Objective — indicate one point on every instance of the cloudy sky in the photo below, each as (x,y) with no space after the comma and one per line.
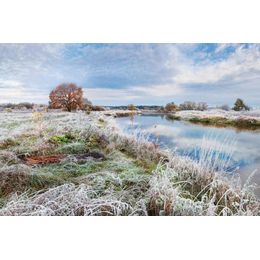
(119,74)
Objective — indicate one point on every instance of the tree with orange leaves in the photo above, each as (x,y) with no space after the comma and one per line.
(66,96)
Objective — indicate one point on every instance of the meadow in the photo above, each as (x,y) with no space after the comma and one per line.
(61,163)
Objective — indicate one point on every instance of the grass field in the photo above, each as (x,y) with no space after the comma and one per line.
(78,164)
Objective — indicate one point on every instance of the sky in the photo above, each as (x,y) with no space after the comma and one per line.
(120,74)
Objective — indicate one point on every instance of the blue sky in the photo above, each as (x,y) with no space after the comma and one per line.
(119,74)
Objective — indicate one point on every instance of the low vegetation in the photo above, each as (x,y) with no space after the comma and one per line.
(219,117)
(220,121)
(78,164)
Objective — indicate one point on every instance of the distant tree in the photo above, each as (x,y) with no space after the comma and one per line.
(87,105)
(10,105)
(187,105)
(66,96)
(240,105)
(25,105)
(97,108)
(202,106)
(131,107)
(170,107)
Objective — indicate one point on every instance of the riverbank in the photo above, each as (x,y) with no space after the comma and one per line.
(218,117)
(79,164)
(121,113)
(215,117)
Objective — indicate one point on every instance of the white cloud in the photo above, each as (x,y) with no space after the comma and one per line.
(157,90)
(132,94)
(10,84)
(241,65)
(111,94)
(150,73)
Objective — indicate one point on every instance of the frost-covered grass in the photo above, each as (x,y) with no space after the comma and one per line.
(130,175)
(120,113)
(231,114)
(218,117)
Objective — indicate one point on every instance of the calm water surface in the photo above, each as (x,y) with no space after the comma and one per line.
(187,139)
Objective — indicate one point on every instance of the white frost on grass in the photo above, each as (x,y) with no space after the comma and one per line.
(178,186)
(234,115)
(65,200)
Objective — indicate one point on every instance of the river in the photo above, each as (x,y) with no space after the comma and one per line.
(241,148)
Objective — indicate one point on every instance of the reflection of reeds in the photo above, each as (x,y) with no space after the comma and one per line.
(216,154)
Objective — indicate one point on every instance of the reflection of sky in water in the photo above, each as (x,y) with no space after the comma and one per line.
(187,138)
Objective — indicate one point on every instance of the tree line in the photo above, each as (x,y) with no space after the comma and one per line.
(69,97)
(239,105)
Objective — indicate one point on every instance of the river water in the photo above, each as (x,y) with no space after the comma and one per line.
(241,148)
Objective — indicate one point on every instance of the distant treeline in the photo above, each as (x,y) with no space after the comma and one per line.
(22,105)
(143,107)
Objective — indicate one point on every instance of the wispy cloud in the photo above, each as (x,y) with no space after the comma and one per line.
(128,94)
(138,73)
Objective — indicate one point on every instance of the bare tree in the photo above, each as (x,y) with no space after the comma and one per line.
(188,105)
(202,106)
(67,96)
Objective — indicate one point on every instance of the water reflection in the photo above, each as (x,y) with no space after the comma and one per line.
(187,138)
